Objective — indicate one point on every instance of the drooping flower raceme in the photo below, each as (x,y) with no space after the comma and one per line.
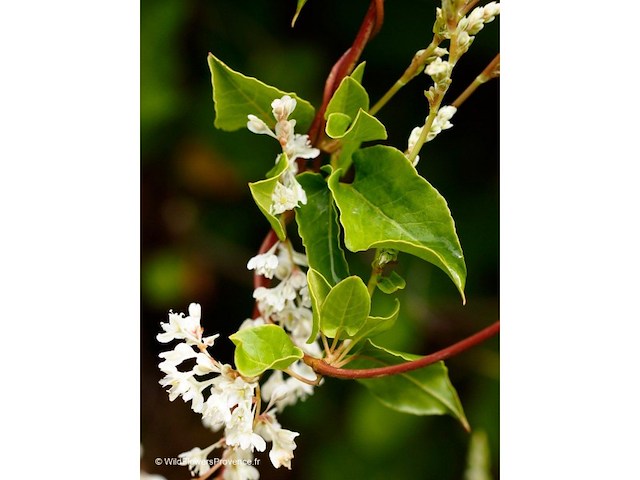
(288,303)
(226,400)
(288,193)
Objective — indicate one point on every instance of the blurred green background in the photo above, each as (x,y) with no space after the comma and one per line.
(200,225)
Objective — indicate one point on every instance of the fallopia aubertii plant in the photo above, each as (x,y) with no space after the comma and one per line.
(313,317)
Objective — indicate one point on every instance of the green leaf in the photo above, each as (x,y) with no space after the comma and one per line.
(391,283)
(348,99)
(319,288)
(264,347)
(235,96)
(345,309)
(358,72)
(338,124)
(427,391)
(390,206)
(320,230)
(378,324)
(363,129)
(298,9)
(262,192)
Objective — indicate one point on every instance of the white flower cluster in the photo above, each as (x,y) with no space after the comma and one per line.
(441,122)
(288,303)
(471,24)
(288,193)
(474,22)
(224,398)
(440,70)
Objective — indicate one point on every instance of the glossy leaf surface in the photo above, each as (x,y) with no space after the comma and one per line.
(389,205)
(235,96)
(427,391)
(264,347)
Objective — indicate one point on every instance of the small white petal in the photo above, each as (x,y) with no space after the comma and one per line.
(282,107)
(256,125)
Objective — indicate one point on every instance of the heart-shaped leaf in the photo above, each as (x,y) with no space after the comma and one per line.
(349,97)
(345,309)
(427,391)
(235,96)
(389,205)
(262,348)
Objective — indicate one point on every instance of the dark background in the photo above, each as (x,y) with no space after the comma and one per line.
(200,225)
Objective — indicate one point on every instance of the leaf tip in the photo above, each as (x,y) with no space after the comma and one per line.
(465,424)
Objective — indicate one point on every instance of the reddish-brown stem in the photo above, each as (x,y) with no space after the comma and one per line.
(322,368)
(345,65)
(490,71)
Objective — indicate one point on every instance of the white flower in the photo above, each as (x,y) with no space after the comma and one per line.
(441,122)
(283,442)
(274,388)
(474,22)
(283,446)
(464,42)
(175,357)
(282,393)
(299,146)
(284,131)
(266,263)
(196,459)
(237,391)
(491,11)
(182,384)
(288,193)
(276,299)
(440,52)
(238,465)
(239,431)
(256,125)
(183,328)
(298,321)
(215,412)
(438,70)
(287,197)
(205,365)
(413,139)
(269,300)
(282,107)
